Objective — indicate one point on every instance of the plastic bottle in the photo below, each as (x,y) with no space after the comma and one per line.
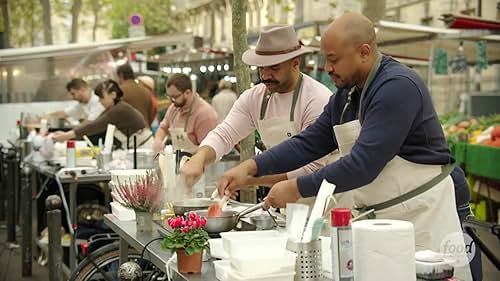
(341,244)
(70,154)
(169,180)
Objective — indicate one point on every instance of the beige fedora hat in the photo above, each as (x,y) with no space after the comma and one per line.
(276,44)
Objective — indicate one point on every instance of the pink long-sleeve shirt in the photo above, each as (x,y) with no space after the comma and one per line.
(203,119)
(245,114)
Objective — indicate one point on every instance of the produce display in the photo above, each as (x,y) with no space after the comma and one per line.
(482,130)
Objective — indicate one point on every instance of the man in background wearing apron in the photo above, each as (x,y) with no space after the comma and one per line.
(395,159)
(285,103)
(188,119)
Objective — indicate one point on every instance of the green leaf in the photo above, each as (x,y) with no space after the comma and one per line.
(190,250)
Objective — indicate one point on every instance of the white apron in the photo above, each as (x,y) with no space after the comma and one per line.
(144,139)
(433,213)
(179,136)
(277,129)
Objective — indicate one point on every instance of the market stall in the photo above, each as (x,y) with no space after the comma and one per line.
(475,145)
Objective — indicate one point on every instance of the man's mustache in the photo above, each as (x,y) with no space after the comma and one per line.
(270,81)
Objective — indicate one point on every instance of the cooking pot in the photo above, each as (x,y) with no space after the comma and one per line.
(227,221)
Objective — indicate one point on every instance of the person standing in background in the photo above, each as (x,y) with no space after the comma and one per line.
(129,121)
(88,107)
(149,83)
(135,94)
(224,100)
(188,119)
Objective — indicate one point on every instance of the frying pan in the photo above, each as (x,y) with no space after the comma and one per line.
(195,204)
(227,221)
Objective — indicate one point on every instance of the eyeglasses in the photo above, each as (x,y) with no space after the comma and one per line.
(174,98)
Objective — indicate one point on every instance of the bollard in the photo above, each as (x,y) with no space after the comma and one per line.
(26,244)
(11,195)
(130,271)
(52,204)
(2,184)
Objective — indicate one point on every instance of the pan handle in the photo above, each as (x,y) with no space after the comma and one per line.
(250,209)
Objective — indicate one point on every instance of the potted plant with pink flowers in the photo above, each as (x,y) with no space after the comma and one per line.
(144,196)
(188,240)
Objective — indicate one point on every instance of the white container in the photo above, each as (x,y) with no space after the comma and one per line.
(122,213)
(216,249)
(224,272)
(247,266)
(125,175)
(222,269)
(234,276)
(254,243)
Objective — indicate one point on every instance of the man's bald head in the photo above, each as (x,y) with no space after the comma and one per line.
(352,28)
(350,49)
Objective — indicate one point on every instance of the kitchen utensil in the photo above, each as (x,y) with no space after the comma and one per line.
(226,221)
(308,264)
(296,218)
(214,194)
(88,141)
(272,217)
(326,189)
(215,210)
(192,204)
(317,225)
(262,222)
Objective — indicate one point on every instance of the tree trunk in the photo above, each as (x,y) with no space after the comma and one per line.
(75,12)
(95,10)
(374,10)
(47,25)
(240,44)
(6,24)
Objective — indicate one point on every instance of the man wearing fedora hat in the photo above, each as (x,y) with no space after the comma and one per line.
(285,103)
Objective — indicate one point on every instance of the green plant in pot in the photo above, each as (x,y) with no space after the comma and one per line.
(144,196)
(188,240)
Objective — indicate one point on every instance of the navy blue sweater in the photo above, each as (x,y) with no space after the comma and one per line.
(398,119)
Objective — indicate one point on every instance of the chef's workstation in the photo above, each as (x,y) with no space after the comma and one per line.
(299,242)
(78,172)
(244,241)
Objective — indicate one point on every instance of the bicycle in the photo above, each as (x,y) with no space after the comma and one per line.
(103,263)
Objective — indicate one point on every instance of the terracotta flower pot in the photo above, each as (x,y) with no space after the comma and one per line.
(189,264)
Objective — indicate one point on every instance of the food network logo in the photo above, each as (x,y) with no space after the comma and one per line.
(459,247)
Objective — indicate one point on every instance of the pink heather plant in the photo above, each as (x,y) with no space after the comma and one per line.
(145,194)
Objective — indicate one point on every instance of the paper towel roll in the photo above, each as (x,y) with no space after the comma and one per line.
(383,250)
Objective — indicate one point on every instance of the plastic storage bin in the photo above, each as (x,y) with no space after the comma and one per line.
(224,272)
(254,243)
(216,249)
(222,269)
(264,265)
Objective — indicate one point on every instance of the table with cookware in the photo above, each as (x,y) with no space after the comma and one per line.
(159,257)
(75,177)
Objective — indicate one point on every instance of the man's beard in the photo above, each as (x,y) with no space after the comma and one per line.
(179,105)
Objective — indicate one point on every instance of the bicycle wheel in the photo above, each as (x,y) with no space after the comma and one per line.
(106,261)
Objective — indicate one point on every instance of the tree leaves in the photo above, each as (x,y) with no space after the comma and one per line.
(155,13)
(26,16)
